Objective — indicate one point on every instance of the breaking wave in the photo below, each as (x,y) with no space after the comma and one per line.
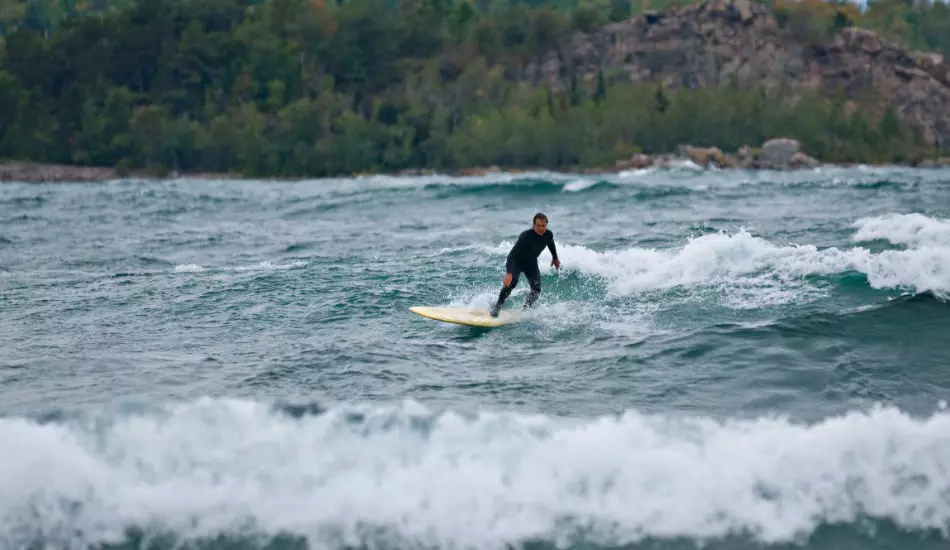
(413,477)
(743,260)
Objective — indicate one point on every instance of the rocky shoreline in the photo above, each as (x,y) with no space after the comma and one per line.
(37,172)
(774,154)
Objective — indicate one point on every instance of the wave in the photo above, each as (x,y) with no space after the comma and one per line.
(647,183)
(773,273)
(454,479)
(682,177)
(539,186)
(904,229)
(523,184)
(858,331)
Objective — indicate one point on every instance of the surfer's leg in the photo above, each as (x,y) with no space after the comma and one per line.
(534,279)
(506,291)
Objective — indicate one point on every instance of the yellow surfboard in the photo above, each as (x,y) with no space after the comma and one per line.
(466,316)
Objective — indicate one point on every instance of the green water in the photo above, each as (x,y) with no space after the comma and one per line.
(748,359)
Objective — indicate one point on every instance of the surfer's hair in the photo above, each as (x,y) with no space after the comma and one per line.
(539,216)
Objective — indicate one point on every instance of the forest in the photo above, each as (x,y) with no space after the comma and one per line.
(318,88)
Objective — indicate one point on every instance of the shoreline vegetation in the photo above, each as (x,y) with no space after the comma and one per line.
(306,89)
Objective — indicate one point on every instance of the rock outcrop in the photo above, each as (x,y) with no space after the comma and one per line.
(774,154)
(717,41)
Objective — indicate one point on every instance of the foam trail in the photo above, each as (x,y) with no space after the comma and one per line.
(466,481)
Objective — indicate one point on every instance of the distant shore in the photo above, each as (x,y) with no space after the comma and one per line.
(16,171)
(774,154)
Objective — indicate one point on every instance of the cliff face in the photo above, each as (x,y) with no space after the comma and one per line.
(717,41)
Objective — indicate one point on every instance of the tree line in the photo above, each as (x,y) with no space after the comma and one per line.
(328,87)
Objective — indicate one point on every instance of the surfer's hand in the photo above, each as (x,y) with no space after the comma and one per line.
(507,279)
(556,263)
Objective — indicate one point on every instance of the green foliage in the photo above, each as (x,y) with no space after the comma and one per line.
(320,88)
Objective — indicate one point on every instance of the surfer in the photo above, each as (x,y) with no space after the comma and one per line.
(523,258)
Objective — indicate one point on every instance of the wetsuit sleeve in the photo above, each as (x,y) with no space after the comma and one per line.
(513,253)
(552,248)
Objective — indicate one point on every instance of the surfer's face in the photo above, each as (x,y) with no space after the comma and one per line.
(540,226)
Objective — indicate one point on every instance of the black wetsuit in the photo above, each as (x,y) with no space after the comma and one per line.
(523,258)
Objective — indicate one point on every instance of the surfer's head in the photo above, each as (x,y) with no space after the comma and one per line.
(540,222)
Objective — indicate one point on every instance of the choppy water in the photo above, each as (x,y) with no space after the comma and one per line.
(749,360)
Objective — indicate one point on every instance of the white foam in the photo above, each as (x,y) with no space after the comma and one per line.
(268,265)
(216,466)
(906,229)
(263,265)
(577,186)
(636,173)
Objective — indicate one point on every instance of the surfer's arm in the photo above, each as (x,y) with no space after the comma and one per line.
(510,263)
(554,259)
(552,248)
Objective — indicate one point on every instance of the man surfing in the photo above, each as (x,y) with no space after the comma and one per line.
(523,258)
